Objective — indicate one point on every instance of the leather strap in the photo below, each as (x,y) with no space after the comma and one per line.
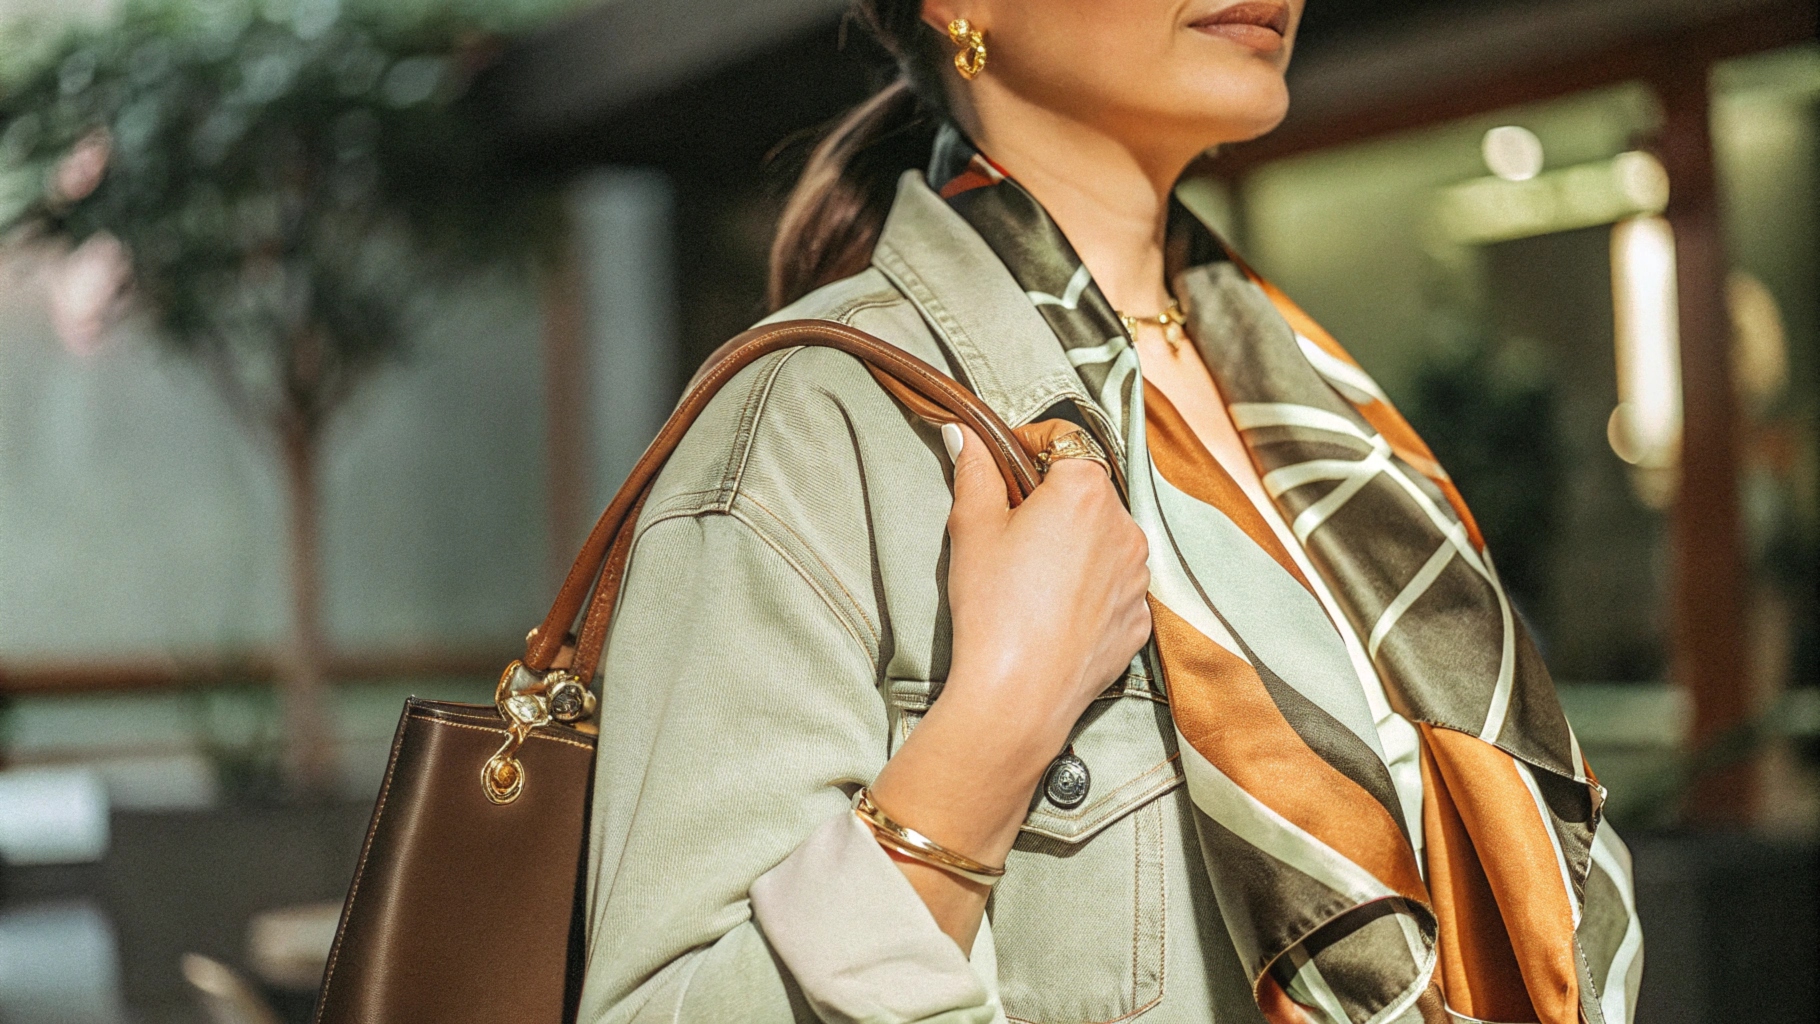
(600,567)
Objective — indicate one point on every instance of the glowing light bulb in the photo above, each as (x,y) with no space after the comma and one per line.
(1645,428)
(1512,152)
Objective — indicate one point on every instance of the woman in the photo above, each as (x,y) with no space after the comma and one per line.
(1269,745)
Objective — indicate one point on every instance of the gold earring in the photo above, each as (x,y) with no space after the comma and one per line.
(970,60)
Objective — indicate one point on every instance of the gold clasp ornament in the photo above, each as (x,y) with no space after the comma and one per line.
(526,701)
(502,778)
(970,60)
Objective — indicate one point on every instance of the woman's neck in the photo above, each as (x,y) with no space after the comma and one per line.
(1109,200)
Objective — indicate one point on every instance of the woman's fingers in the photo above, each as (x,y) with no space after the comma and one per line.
(1040,435)
(1053,590)
(979,488)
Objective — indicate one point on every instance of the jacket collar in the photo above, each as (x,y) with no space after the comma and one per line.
(1002,348)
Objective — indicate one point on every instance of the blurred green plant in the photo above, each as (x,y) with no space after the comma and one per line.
(280,186)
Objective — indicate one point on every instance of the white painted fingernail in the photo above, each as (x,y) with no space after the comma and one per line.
(952,439)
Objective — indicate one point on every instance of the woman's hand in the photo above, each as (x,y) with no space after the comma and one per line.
(1048,608)
(1047,599)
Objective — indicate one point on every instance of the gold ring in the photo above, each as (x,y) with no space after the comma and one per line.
(1076,444)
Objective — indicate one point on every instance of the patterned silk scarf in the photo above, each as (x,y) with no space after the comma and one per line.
(1518,907)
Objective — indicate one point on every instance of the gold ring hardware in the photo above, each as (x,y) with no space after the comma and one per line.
(970,60)
(558,695)
(569,698)
(1076,444)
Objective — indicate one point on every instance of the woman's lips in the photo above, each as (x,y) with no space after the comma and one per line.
(1256,24)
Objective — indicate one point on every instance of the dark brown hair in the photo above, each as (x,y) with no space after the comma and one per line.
(833,217)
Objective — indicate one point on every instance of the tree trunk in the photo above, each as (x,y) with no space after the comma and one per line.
(309,762)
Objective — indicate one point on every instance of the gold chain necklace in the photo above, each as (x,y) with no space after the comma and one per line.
(1170,320)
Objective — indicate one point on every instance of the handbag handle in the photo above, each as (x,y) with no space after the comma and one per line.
(600,567)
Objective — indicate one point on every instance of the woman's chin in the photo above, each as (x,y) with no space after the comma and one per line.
(1260,125)
(1240,108)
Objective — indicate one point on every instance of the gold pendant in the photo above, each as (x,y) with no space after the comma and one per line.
(1170,320)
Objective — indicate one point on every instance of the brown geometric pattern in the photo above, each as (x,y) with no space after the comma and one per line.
(1520,908)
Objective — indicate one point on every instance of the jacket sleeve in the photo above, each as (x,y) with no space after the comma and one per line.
(728,879)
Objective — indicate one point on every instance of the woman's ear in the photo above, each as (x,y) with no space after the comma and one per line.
(938,13)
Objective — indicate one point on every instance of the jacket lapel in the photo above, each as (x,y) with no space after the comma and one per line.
(1000,345)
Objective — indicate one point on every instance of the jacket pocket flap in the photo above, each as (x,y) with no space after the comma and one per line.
(1127,743)
(1125,739)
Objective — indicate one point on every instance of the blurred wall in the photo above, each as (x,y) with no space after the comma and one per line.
(10,9)
(624,223)
(138,519)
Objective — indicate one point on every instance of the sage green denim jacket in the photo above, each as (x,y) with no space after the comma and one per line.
(783,626)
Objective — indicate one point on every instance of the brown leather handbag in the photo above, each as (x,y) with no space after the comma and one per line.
(467,904)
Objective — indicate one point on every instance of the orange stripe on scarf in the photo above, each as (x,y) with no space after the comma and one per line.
(1504,919)
(1186,463)
(1276,1005)
(1222,709)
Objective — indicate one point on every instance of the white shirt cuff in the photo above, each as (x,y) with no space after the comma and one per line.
(861,943)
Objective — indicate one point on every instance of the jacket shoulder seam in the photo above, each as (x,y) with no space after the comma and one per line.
(858,631)
(878,301)
(861,631)
(760,396)
(797,541)
(747,431)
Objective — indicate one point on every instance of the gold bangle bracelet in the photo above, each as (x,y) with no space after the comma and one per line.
(919,847)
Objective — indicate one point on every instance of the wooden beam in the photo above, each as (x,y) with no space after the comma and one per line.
(592,65)
(720,127)
(566,407)
(1453,65)
(1710,656)
(175,672)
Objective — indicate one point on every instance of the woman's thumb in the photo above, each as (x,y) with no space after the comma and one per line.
(979,488)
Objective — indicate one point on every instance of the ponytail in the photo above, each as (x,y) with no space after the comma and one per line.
(834,215)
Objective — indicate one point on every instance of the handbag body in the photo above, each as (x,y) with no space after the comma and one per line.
(467,904)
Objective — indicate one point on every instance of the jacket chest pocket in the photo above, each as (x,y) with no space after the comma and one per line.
(905,702)
(1078,920)
(1079,927)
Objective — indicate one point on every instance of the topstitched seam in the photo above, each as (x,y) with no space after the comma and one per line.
(1137,887)
(366,849)
(438,720)
(811,552)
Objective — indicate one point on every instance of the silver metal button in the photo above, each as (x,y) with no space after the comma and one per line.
(1067,781)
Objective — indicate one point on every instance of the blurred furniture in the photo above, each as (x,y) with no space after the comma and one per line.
(1731,926)
(58,956)
(59,962)
(288,947)
(176,882)
(225,996)
(52,816)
